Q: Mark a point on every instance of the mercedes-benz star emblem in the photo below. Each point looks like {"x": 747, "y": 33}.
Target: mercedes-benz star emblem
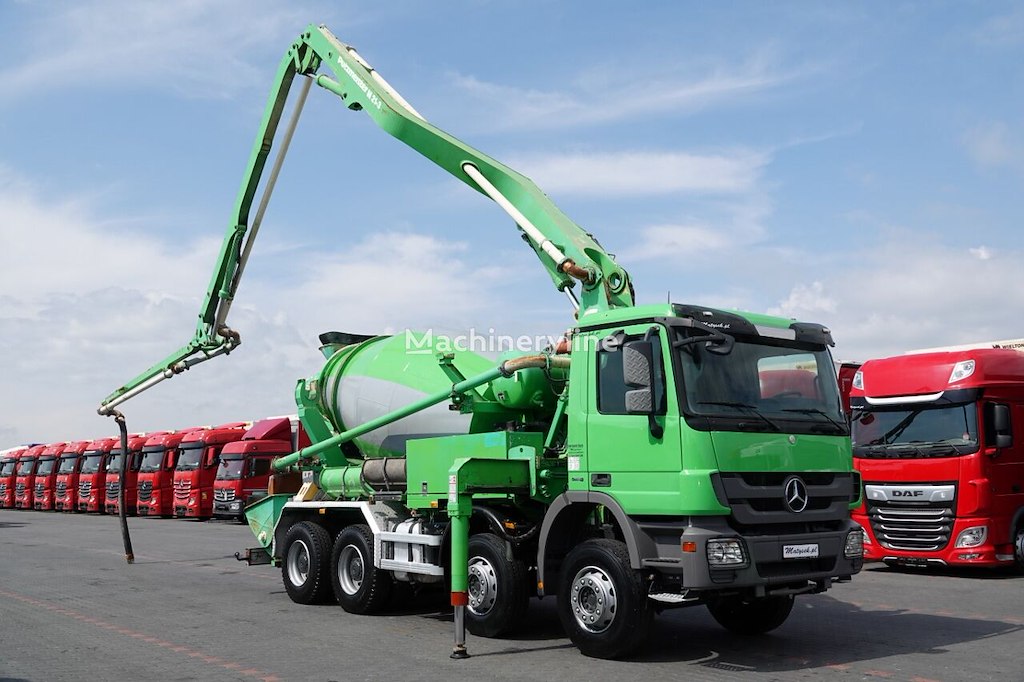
{"x": 794, "y": 494}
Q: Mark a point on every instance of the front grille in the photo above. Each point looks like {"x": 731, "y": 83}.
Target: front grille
{"x": 40, "y": 489}
{"x": 223, "y": 494}
{"x": 62, "y": 490}
{"x": 145, "y": 491}
{"x": 922, "y": 527}
{"x": 84, "y": 488}
{"x": 19, "y": 489}
{"x": 3, "y": 488}
{"x": 758, "y": 498}
{"x": 182, "y": 489}
{"x": 113, "y": 489}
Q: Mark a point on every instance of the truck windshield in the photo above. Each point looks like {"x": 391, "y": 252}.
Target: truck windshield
{"x": 7, "y": 467}
{"x": 191, "y": 455}
{"x": 45, "y": 467}
{"x": 114, "y": 464}
{"x": 933, "y": 431}
{"x": 26, "y": 466}
{"x": 762, "y": 384}
{"x": 230, "y": 469}
{"x": 91, "y": 461}
{"x": 67, "y": 464}
{"x": 152, "y": 458}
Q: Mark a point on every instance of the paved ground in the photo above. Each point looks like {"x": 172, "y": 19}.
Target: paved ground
{"x": 71, "y": 609}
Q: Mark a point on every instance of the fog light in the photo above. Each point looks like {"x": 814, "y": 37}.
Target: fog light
{"x": 972, "y": 537}
{"x": 854, "y": 544}
{"x": 726, "y": 552}
{"x": 234, "y": 505}
{"x": 970, "y": 557}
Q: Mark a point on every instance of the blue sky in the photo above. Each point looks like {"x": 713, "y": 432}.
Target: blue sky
{"x": 854, "y": 164}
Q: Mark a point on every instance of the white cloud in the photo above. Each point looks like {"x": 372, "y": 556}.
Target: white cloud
{"x": 1001, "y": 31}
{"x": 913, "y": 293}
{"x": 993, "y": 145}
{"x": 619, "y": 174}
{"x": 606, "y": 95}
{"x": 196, "y": 48}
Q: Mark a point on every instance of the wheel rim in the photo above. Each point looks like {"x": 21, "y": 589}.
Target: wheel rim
{"x": 1018, "y": 546}
{"x": 593, "y": 599}
{"x": 351, "y": 569}
{"x": 298, "y": 563}
{"x": 483, "y": 586}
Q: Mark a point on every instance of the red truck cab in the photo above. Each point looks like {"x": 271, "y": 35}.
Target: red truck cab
{"x": 156, "y": 473}
{"x": 65, "y": 489}
{"x": 938, "y": 438}
{"x": 92, "y": 475}
{"x": 197, "y": 468}
{"x": 47, "y": 471}
{"x": 8, "y": 475}
{"x": 244, "y": 468}
{"x": 25, "y": 476}
{"x": 113, "y": 479}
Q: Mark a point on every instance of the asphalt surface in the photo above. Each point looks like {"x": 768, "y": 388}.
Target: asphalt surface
{"x": 72, "y": 609}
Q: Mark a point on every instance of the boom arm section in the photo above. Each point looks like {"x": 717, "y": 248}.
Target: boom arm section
{"x": 566, "y": 251}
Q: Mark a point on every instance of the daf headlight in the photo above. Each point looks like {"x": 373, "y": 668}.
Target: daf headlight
{"x": 726, "y": 553}
{"x": 972, "y": 537}
{"x": 961, "y": 371}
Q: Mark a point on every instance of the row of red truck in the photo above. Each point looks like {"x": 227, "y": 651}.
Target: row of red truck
{"x": 200, "y": 472}
{"x": 937, "y": 435}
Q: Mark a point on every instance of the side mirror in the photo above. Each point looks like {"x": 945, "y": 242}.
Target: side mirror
{"x": 1001, "y": 425}
{"x": 721, "y": 345}
{"x": 638, "y": 375}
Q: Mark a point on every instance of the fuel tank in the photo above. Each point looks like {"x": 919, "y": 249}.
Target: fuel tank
{"x": 367, "y": 377}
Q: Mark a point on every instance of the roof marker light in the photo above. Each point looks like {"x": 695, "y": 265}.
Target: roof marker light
{"x": 961, "y": 371}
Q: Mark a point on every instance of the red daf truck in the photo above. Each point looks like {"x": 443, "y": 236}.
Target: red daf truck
{"x": 25, "y": 476}
{"x": 197, "y": 468}
{"x": 8, "y": 475}
{"x": 113, "y": 480}
{"x": 92, "y": 475}
{"x": 156, "y": 473}
{"x": 244, "y": 468}
{"x": 938, "y": 437}
{"x": 47, "y": 471}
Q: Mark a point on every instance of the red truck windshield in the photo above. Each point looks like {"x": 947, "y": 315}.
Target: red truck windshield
{"x": 26, "y": 466}
{"x": 91, "y": 461}
{"x": 45, "y": 467}
{"x": 152, "y": 458}
{"x": 230, "y": 469}
{"x": 7, "y": 468}
{"x": 191, "y": 455}
{"x": 934, "y": 431}
{"x": 67, "y": 465}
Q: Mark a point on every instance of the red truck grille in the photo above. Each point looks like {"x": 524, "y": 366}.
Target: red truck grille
{"x": 40, "y": 489}
{"x": 19, "y": 489}
{"x": 84, "y": 488}
{"x": 922, "y": 528}
{"x": 113, "y": 489}
{"x": 182, "y": 489}
{"x": 224, "y": 494}
{"x": 145, "y": 491}
{"x": 61, "y": 491}
{"x": 3, "y": 488}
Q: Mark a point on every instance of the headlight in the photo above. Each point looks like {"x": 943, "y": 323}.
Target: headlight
{"x": 972, "y": 537}
{"x": 235, "y": 505}
{"x": 858, "y": 380}
{"x": 961, "y": 371}
{"x": 726, "y": 552}
{"x": 854, "y": 544}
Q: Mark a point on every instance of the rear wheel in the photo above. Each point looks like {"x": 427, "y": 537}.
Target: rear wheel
{"x": 358, "y": 586}
{"x": 307, "y": 556}
{"x": 498, "y": 592}
{"x": 1018, "y": 547}
{"x": 602, "y": 602}
{"x": 752, "y": 616}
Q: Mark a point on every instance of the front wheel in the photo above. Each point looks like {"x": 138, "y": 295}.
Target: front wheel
{"x": 1018, "y": 547}
{"x": 602, "y": 602}
{"x": 358, "y": 586}
{"x": 498, "y": 593}
{"x": 307, "y": 556}
{"x": 752, "y": 616}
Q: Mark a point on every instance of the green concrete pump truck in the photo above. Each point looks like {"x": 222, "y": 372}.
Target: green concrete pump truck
{"x": 649, "y": 460}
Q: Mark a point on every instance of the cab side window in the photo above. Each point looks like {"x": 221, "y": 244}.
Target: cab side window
{"x": 260, "y": 467}
{"x": 611, "y": 384}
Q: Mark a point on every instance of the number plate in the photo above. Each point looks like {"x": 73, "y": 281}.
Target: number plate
{"x": 799, "y": 551}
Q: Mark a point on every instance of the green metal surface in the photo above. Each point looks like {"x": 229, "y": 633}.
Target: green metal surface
{"x": 263, "y": 515}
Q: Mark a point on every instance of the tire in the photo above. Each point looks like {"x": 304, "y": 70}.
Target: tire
{"x": 1018, "y": 548}
{"x": 358, "y": 586}
{"x": 602, "y": 601}
{"x": 751, "y": 617}
{"x": 498, "y": 592}
{"x": 307, "y": 556}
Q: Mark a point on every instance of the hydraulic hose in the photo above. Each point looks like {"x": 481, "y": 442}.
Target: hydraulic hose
{"x": 122, "y": 510}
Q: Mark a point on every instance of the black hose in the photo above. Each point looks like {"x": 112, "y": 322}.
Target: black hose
{"x": 122, "y": 510}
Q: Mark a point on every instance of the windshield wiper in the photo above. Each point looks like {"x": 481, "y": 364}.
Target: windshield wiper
{"x": 814, "y": 410}
{"x": 890, "y": 436}
{"x": 743, "y": 406}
